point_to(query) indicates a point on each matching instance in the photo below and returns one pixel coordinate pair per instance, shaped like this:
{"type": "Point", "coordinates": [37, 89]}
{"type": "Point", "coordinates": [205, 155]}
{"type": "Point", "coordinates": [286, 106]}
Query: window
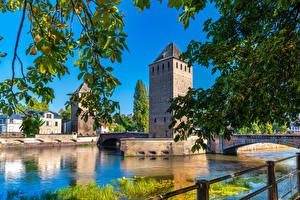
{"type": "Point", "coordinates": [176, 64]}
{"type": "Point", "coordinates": [11, 121]}
{"type": "Point", "coordinates": [47, 123]}
{"type": "Point", "coordinates": [56, 123]}
{"type": "Point", "coordinates": [168, 66]}
{"type": "Point", "coordinates": [181, 66]}
{"type": "Point", "coordinates": [48, 116]}
{"type": "Point", "coordinates": [165, 119]}
{"type": "Point", "coordinates": [163, 67]}
{"type": "Point", "coordinates": [157, 68]}
{"type": "Point", "coordinates": [48, 131]}
{"type": "Point", "coordinates": [189, 69]}
{"type": "Point", "coordinates": [154, 120]}
{"type": "Point", "coordinates": [185, 68]}
{"type": "Point", "coordinates": [153, 70]}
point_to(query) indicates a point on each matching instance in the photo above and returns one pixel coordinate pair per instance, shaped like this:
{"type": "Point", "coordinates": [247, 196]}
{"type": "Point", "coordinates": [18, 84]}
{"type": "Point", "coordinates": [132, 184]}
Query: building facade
{"type": "Point", "coordinates": [10, 125]}
{"type": "Point", "coordinates": [169, 77]}
{"type": "Point", "coordinates": [53, 122]}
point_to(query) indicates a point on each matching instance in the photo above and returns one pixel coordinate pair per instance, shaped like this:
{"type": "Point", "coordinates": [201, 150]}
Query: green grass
{"type": "Point", "coordinates": [136, 188]}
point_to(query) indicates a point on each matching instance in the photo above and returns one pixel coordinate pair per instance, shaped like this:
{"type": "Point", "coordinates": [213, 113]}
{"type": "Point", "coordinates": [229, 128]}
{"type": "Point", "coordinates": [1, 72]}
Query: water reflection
{"type": "Point", "coordinates": [36, 169]}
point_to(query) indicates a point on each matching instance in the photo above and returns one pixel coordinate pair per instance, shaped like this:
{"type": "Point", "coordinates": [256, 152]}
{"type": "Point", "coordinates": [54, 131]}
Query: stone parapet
{"type": "Point", "coordinates": [157, 147]}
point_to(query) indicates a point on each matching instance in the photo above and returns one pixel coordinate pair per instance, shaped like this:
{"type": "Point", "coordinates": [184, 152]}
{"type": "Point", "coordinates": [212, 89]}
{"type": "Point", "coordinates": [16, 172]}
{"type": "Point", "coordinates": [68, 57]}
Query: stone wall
{"type": "Point", "coordinates": [157, 147]}
{"type": "Point", "coordinates": [47, 140]}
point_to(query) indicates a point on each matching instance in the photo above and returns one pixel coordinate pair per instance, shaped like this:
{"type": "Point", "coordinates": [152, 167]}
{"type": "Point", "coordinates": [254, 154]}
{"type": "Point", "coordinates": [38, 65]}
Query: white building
{"type": "Point", "coordinates": [10, 125]}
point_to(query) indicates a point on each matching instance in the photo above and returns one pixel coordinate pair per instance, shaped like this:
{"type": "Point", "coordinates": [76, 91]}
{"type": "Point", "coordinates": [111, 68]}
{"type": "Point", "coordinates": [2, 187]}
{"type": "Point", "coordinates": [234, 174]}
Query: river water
{"type": "Point", "coordinates": [33, 170]}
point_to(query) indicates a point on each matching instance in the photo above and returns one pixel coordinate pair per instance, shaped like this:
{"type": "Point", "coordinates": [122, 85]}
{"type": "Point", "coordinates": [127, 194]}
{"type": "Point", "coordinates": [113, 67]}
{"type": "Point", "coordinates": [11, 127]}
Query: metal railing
{"type": "Point", "coordinates": [202, 186]}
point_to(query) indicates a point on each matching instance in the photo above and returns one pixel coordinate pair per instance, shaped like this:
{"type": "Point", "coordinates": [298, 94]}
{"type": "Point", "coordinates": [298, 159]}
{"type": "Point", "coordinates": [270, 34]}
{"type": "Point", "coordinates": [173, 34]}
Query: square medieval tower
{"type": "Point", "coordinates": [169, 77]}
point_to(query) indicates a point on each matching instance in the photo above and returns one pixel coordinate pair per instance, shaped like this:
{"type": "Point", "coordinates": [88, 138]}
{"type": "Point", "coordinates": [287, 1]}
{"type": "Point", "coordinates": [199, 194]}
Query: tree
{"type": "Point", "coordinates": [31, 124]}
{"type": "Point", "coordinates": [125, 121]}
{"type": "Point", "coordinates": [66, 114]}
{"type": "Point", "coordinates": [54, 41]}
{"type": "Point", "coordinates": [34, 104]}
{"type": "Point", "coordinates": [253, 45]}
{"type": "Point", "coordinates": [141, 107]}
{"type": "Point", "coordinates": [116, 128]}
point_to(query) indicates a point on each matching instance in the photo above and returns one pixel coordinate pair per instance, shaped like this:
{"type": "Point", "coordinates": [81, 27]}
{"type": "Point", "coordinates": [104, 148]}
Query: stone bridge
{"type": "Point", "coordinates": [219, 145]}
{"type": "Point", "coordinates": [113, 139]}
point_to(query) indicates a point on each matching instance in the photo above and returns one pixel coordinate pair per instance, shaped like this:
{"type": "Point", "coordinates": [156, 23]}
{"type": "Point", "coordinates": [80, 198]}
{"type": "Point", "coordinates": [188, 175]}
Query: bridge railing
{"type": "Point", "coordinates": [202, 186]}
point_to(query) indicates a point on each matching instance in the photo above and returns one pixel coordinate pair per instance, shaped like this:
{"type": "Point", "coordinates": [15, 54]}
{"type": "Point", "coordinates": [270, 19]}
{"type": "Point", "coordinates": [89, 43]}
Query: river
{"type": "Point", "coordinates": [32, 170]}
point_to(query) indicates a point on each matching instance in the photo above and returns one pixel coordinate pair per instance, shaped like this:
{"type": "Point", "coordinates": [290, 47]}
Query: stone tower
{"type": "Point", "coordinates": [169, 77]}
{"type": "Point", "coordinates": [78, 125]}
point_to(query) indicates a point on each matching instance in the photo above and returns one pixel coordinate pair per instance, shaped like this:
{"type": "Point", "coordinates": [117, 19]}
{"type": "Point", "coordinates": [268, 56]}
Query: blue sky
{"type": "Point", "coordinates": [149, 32]}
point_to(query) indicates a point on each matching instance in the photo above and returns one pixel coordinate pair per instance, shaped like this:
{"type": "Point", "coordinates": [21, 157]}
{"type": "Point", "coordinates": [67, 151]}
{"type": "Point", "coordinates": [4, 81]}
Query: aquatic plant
{"type": "Point", "coordinates": [136, 188]}
{"type": "Point", "coordinates": [143, 187]}
{"type": "Point", "coordinates": [89, 191]}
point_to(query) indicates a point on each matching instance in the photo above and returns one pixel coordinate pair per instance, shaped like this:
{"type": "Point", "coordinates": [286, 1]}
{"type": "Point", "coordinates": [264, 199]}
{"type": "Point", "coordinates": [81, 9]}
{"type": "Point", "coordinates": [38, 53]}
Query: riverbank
{"type": "Point", "coordinates": [47, 141]}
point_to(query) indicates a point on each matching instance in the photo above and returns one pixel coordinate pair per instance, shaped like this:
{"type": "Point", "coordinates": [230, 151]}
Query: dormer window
{"type": "Point", "coordinates": [48, 116]}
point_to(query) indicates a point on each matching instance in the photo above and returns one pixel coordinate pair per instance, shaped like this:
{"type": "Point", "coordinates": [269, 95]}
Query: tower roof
{"type": "Point", "coordinates": [170, 51]}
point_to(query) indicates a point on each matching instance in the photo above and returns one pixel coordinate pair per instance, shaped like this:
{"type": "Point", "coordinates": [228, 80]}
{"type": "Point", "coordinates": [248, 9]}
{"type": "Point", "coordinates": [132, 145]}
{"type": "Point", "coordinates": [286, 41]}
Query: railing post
{"type": "Point", "coordinates": [298, 168]}
{"type": "Point", "coordinates": [202, 190]}
{"type": "Point", "coordinates": [272, 192]}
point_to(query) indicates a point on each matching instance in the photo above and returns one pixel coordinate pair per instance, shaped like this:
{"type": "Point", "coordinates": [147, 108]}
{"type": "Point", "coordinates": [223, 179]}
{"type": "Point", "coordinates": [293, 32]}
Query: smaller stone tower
{"type": "Point", "coordinates": [78, 125]}
{"type": "Point", "coordinates": [169, 77]}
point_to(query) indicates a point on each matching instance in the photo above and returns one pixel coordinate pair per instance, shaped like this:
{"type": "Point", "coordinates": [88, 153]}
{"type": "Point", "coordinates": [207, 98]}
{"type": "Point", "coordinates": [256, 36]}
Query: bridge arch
{"type": "Point", "coordinates": [111, 142]}
{"type": "Point", "coordinates": [232, 149]}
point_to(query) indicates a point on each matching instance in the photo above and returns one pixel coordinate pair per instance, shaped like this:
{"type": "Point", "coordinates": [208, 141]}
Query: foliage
{"type": "Point", "coordinates": [54, 41]}
{"type": "Point", "coordinates": [116, 128]}
{"type": "Point", "coordinates": [89, 191]}
{"type": "Point", "coordinates": [268, 128]}
{"type": "Point", "coordinates": [125, 121]}
{"type": "Point", "coordinates": [142, 187]}
{"type": "Point", "coordinates": [34, 104]}
{"type": "Point", "coordinates": [141, 107]}
{"type": "Point", "coordinates": [31, 124]}
{"type": "Point", "coordinates": [253, 46]}
{"type": "Point", "coordinates": [66, 114]}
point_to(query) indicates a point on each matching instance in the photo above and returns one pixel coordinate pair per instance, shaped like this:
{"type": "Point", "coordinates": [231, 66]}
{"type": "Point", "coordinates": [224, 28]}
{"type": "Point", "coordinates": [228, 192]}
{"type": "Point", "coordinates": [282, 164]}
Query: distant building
{"type": "Point", "coordinates": [53, 122]}
{"type": "Point", "coordinates": [10, 125]}
{"type": "Point", "coordinates": [169, 77]}
{"type": "Point", "coordinates": [78, 125]}
{"type": "Point", "coordinates": [130, 115]}
{"type": "Point", "coordinates": [66, 127]}
{"type": "Point", "coordinates": [103, 129]}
